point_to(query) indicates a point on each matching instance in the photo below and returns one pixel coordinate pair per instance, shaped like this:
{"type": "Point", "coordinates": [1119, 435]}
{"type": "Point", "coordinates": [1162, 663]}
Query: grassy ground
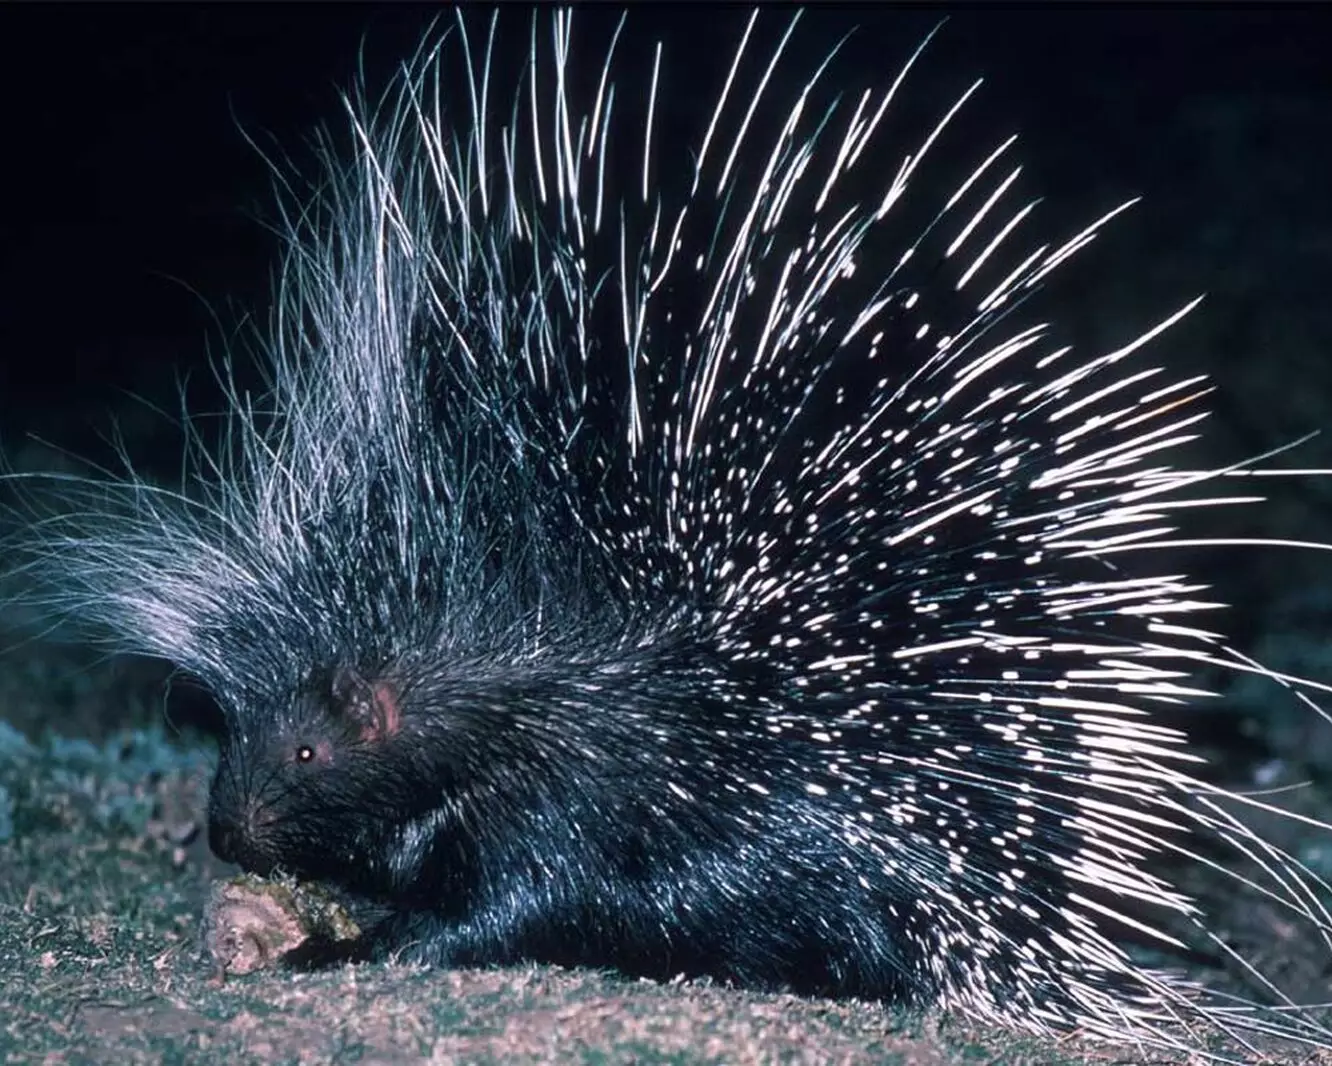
{"type": "Point", "coordinates": [103, 880]}
{"type": "Point", "coordinates": [99, 950]}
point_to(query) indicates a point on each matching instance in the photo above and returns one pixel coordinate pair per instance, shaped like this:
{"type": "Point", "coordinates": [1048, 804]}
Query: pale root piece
{"type": "Point", "coordinates": [251, 923]}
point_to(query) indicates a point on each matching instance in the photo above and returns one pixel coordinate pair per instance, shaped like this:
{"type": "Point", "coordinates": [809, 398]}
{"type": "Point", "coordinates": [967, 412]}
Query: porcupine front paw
{"type": "Point", "coordinates": [375, 940]}
{"type": "Point", "coordinates": [318, 953]}
{"type": "Point", "coordinates": [401, 936]}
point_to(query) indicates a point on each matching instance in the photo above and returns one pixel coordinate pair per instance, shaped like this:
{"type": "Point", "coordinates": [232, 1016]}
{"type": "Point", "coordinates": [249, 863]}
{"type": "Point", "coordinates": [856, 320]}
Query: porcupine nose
{"type": "Point", "coordinates": [231, 836]}
{"type": "Point", "coordinates": [224, 839]}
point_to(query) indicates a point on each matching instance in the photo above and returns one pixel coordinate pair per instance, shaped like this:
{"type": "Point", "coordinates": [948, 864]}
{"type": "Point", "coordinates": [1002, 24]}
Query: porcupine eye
{"type": "Point", "coordinates": [316, 745]}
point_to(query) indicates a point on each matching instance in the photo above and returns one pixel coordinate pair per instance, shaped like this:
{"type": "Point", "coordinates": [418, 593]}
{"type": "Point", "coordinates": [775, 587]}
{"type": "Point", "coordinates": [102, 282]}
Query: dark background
{"type": "Point", "coordinates": [132, 201]}
{"type": "Point", "coordinates": [130, 230]}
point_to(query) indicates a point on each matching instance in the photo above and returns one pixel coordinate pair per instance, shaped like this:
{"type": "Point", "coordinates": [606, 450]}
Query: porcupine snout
{"type": "Point", "coordinates": [227, 837]}
{"type": "Point", "coordinates": [252, 806]}
{"type": "Point", "coordinates": [238, 823]}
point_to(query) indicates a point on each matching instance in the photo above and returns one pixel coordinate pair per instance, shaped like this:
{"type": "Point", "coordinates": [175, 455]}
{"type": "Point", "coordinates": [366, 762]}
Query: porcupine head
{"type": "Point", "coordinates": [288, 791]}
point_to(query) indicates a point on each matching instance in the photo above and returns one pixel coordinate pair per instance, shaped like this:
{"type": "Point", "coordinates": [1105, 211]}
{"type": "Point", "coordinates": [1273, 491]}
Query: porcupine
{"type": "Point", "coordinates": [673, 565]}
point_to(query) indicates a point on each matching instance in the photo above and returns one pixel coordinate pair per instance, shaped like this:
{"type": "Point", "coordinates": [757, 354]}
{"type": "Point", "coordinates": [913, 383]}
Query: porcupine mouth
{"type": "Point", "coordinates": [242, 840]}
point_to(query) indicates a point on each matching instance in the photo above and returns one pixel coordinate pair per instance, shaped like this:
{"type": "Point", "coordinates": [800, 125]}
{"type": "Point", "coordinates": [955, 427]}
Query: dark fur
{"type": "Point", "coordinates": [554, 833]}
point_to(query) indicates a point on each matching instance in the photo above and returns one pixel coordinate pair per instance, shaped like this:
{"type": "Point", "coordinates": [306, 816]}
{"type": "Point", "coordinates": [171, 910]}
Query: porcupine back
{"type": "Point", "coordinates": [689, 564]}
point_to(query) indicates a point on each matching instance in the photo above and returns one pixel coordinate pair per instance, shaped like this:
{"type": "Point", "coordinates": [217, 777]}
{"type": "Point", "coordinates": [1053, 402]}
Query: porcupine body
{"type": "Point", "coordinates": [683, 565]}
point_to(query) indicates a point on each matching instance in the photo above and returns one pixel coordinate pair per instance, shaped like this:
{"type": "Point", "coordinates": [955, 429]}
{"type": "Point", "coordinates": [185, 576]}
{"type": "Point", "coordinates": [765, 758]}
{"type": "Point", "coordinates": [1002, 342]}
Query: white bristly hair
{"type": "Point", "coordinates": [573, 391]}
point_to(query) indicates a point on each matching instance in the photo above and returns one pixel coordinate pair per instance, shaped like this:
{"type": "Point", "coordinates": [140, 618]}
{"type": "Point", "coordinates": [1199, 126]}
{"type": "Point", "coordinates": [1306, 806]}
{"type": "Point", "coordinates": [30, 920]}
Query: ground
{"type": "Point", "coordinates": [104, 878]}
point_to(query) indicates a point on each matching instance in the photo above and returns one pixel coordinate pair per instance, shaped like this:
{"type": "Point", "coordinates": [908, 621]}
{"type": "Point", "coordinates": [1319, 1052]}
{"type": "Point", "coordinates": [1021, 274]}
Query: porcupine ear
{"type": "Point", "coordinates": [371, 708]}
